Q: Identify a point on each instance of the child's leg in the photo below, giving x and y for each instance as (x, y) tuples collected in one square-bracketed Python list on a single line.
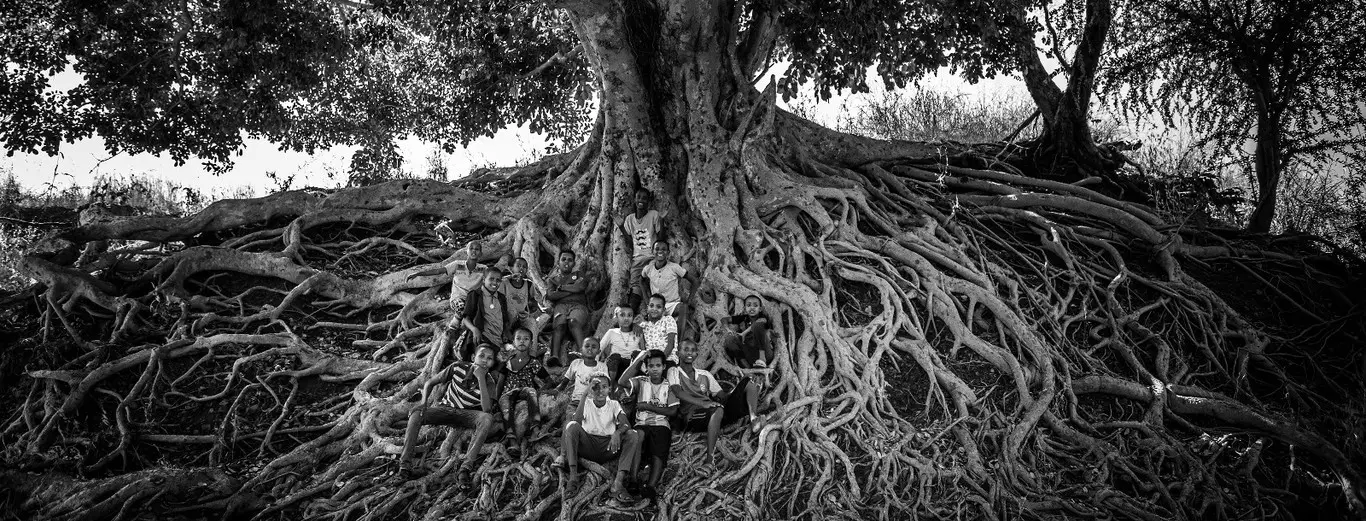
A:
[(713, 432), (629, 458), (732, 342), (578, 316), (533, 409), (569, 443), (505, 403)]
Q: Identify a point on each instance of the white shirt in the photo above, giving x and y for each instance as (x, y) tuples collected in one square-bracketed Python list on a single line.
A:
[(664, 281), (657, 334), (583, 376), (600, 421), (642, 232), (619, 342), (657, 394), (704, 379)]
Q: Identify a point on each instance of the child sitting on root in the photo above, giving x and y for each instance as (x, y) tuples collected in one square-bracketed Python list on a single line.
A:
[(582, 370), (706, 403), (598, 431), (620, 344), (523, 368)]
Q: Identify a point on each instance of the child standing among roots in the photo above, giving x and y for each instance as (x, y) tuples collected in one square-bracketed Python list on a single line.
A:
[(522, 370), (655, 403)]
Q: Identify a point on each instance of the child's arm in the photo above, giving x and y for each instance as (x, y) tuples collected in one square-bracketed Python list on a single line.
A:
[(631, 371), (569, 377), (688, 396), (622, 426), (669, 408), (577, 413), (486, 391), (669, 341), (439, 270)]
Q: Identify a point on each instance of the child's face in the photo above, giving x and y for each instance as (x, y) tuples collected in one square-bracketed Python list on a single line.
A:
[(654, 309), (476, 250), (752, 306), (484, 357), (642, 201), (519, 268), (491, 280), (687, 352), (590, 347), (599, 388), (654, 368), (624, 316), (557, 371), (521, 340), (566, 260), (661, 251)]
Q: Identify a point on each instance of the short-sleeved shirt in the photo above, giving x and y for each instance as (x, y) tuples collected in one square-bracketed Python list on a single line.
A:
[(658, 394), (618, 342), (570, 278), (705, 380), (664, 281), (463, 280), (657, 334), (644, 231), (519, 299), (600, 421), (526, 376), (583, 376), (462, 391)]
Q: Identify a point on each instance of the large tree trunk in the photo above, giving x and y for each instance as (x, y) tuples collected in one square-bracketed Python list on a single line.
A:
[(931, 321)]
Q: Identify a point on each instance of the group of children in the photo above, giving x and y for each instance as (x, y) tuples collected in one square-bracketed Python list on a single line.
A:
[(623, 395)]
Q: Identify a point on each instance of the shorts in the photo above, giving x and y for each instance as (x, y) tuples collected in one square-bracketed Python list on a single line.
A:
[(637, 265), (656, 442), (595, 448), (567, 311), (670, 307)]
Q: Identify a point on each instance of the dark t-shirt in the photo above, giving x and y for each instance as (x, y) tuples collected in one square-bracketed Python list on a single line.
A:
[(463, 391), (744, 321)]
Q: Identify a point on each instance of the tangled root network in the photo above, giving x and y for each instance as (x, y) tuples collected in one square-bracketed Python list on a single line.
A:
[(955, 340)]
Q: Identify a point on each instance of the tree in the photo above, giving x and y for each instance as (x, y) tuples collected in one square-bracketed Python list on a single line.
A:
[(1285, 76), (943, 327)]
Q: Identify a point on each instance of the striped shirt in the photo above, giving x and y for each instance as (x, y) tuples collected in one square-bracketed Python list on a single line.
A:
[(462, 389)]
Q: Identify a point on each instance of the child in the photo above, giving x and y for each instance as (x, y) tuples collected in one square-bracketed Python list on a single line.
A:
[(662, 277), (568, 289), (748, 343), (551, 400), (598, 431), (582, 370), (522, 372), (643, 229), (524, 303), (466, 274), (706, 404), (621, 343), (655, 403), (659, 330), (486, 311), (467, 403)]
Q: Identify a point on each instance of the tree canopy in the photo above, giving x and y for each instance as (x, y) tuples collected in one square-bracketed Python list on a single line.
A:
[(1286, 76)]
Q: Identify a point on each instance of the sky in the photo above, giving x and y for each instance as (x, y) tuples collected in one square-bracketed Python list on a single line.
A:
[(82, 162)]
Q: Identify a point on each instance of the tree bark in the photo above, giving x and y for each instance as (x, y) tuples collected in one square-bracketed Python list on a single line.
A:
[(1267, 165)]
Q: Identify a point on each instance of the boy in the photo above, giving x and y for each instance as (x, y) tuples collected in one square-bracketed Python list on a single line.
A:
[(643, 229), (524, 302), (582, 370), (660, 331), (568, 289), (466, 273), (662, 275), (598, 432), (747, 343), (706, 404), (486, 314), (655, 403), (466, 403), (621, 343)]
